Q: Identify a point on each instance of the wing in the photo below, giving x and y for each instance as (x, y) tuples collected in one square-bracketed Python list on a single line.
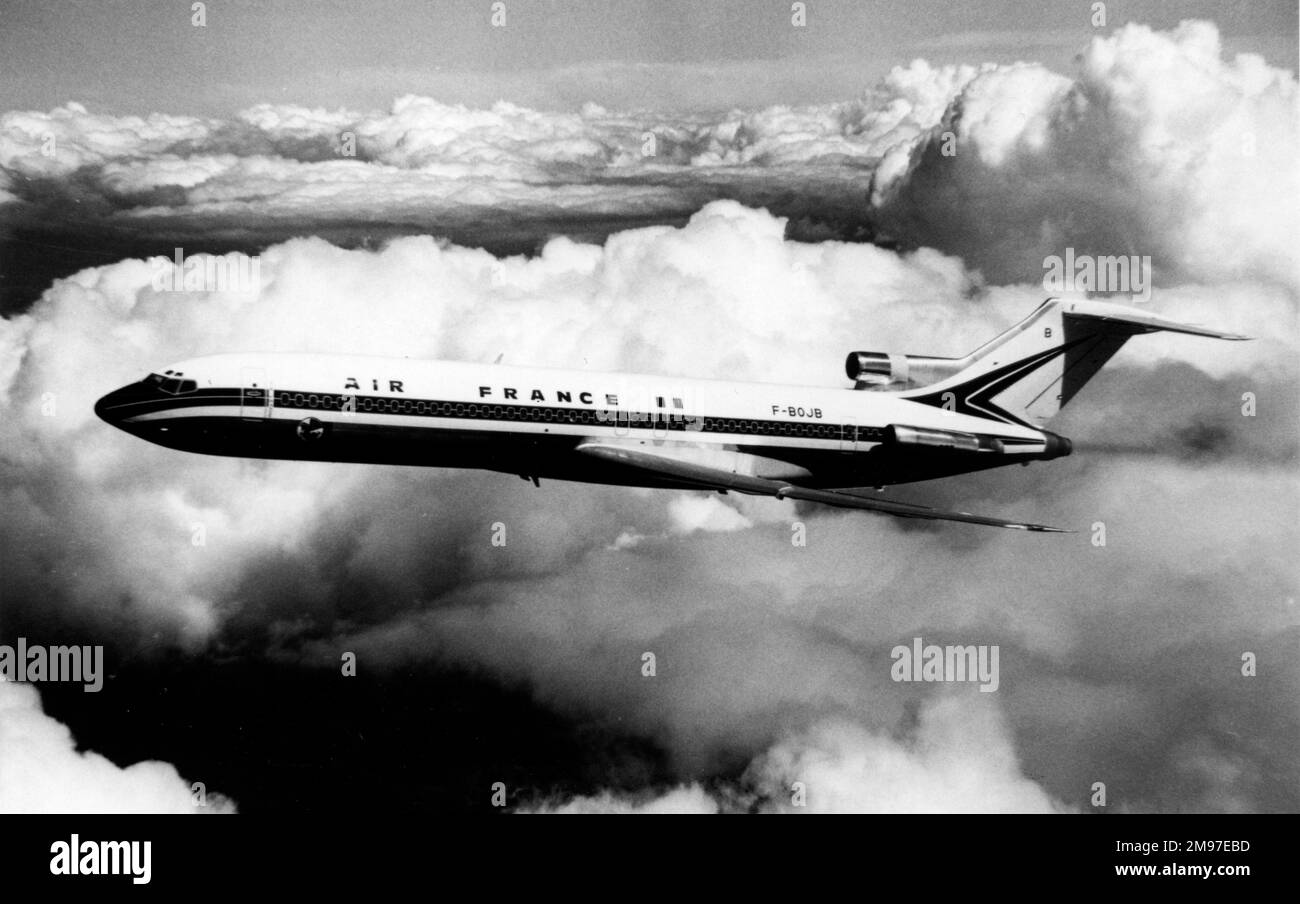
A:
[(713, 478)]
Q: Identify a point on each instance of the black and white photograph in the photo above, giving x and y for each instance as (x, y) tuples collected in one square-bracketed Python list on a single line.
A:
[(483, 408)]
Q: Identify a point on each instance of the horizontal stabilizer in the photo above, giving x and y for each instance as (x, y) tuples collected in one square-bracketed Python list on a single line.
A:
[(1132, 320)]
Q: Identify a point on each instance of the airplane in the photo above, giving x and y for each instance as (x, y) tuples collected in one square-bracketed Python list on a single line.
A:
[(907, 417)]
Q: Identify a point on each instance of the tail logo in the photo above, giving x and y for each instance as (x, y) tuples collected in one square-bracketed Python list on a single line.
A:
[(976, 396)]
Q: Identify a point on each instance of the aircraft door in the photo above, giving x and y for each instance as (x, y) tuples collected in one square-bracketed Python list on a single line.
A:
[(661, 415), (848, 434), (254, 394)]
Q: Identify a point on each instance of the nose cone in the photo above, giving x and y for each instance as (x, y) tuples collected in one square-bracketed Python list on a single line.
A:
[(117, 405), (102, 406)]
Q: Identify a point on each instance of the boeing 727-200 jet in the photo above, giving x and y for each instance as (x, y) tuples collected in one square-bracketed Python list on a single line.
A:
[(907, 417)]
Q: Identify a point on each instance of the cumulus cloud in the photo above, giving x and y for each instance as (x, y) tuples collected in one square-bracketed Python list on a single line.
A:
[(730, 273), (42, 771), (424, 162), (958, 760), (274, 171), (686, 799), (396, 564), (1157, 147)]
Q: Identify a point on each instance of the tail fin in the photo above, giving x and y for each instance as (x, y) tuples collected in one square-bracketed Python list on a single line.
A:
[(1026, 375)]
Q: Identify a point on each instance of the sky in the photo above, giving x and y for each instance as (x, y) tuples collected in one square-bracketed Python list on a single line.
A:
[(635, 191), (142, 56)]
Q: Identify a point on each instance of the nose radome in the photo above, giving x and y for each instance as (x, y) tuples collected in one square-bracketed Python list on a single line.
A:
[(105, 407)]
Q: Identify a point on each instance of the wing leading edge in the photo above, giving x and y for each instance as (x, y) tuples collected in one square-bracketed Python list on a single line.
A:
[(711, 478)]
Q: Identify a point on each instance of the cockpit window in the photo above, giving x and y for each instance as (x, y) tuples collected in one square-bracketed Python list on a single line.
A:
[(170, 384)]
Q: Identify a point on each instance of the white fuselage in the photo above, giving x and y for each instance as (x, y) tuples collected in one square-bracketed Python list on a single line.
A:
[(525, 420)]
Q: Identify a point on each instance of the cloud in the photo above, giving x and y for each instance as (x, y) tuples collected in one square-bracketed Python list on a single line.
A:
[(1158, 147), (301, 560), (42, 771), (959, 760), (686, 799), (274, 171)]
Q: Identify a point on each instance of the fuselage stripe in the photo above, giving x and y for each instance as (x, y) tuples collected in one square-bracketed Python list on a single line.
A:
[(671, 421), (252, 404)]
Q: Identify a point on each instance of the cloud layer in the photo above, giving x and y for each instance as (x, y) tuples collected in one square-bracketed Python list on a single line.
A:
[(1158, 147)]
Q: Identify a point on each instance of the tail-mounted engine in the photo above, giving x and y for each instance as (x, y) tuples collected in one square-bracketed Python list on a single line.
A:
[(1054, 445), (941, 439), (883, 371)]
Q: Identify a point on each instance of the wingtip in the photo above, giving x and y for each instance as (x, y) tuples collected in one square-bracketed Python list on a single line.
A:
[(1042, 528), (1218, 334), (1019, 525)]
